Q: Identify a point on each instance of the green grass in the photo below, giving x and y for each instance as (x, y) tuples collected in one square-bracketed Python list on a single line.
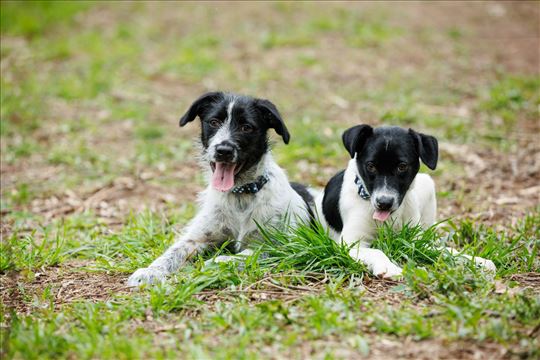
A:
[(512, 252), (463, 306), (39, 17), (29, 253), (91, 93), (512, 94), (306, 248)]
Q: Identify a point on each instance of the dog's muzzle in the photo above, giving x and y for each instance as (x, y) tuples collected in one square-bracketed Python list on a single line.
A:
[(225, 152), (385, 204), (224, 165)]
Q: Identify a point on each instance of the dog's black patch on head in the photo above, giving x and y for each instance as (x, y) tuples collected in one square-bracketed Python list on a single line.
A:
[(389, 159), (330, 202), (244, 120)]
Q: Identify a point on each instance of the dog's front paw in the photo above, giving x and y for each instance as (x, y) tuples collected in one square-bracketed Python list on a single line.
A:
[(387, 270), (146, 276), (486, 264)]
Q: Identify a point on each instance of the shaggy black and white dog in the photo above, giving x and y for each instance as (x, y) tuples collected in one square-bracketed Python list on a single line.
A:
[(246, 186), (381, 184)]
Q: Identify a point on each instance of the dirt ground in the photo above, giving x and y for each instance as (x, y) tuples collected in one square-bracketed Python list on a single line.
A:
[(499, 186)]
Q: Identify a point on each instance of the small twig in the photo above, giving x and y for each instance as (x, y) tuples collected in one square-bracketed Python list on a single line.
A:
[(493, 313), (292, 299), (169, 328), (433, 314), (273, 284), (64, 285), (258, 282), (535, 330)]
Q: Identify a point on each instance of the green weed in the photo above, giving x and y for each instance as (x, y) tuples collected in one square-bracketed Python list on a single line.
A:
[(28, 252), (307, 248), (513, 95), (35, 18)]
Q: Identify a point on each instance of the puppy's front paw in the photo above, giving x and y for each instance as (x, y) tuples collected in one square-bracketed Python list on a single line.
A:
[(486, 264), (146, 276), (387, 270)]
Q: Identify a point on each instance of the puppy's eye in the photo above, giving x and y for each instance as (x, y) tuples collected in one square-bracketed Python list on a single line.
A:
[(402, 167), (215, 123), (371, 167), (246, 128)]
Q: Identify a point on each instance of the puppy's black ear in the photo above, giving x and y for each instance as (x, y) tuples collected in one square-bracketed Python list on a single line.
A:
[(199, 104), (427, 148), (272, 117), (355, 138)]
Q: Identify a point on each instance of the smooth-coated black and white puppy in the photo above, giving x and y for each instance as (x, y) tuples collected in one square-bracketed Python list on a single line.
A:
[(381, 184), (245, 185)]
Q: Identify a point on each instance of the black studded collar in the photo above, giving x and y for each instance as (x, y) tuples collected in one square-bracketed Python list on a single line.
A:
[(253, 187)]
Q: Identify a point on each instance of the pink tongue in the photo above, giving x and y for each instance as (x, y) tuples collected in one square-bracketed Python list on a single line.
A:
[(223, 177), (381, 215)]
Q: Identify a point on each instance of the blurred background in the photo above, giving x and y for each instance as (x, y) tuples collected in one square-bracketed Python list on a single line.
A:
[(91, 94)]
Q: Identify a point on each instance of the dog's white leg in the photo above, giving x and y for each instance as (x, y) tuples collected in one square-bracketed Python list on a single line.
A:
[(375, 260), (488, 265), (196, 238)]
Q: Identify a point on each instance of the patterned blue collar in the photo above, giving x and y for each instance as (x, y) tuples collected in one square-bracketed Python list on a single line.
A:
[(361, 188), (252, 188)]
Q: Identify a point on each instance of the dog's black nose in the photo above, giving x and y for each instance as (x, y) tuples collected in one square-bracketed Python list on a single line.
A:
[(384, 202), (224, 152)]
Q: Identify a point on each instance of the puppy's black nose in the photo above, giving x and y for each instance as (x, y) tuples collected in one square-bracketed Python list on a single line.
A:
[(224, 152), (384, 202)]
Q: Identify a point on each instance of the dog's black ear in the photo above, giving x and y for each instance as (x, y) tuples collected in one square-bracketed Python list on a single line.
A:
[(355, 138), (273, 118), (199, 104), (427, 148)]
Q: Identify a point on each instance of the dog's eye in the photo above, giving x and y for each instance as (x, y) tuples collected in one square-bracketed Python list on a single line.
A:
[(402, 167), (371, 168), (215, 123), (246, 128)]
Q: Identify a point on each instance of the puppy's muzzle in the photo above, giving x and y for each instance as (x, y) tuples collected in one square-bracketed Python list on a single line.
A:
[(384, 203), (225, 152)]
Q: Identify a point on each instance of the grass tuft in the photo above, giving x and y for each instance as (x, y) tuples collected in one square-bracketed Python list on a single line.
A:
[(411, 243), (28, 252), (307, 248), (512, 251)]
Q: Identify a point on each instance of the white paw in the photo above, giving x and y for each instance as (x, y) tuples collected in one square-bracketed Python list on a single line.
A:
[(387, 270), (488, 265), (146, 276)]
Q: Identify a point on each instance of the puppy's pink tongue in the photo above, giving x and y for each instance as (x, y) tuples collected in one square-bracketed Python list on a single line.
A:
[(223, 177), (381, 215)]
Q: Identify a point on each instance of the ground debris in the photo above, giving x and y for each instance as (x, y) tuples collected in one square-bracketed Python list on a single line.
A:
[(69, 283)]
